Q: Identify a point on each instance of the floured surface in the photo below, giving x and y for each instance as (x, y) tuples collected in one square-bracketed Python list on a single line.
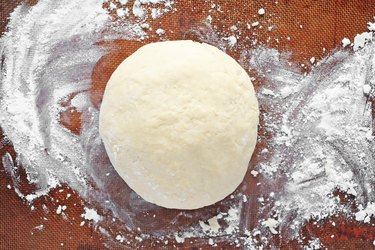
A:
[(315, 140), (322, 131)]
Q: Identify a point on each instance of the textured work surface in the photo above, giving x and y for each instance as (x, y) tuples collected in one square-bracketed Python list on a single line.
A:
[(324, 24)]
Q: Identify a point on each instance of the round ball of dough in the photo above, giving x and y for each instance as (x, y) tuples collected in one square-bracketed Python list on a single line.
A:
[(179, 123)]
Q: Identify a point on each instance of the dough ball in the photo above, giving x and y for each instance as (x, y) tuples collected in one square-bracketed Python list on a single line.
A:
[(179, 122)]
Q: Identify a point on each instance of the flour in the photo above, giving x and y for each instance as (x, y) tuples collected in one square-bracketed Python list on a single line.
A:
[(319, 123), (120, 238), (212, 226), (140, 8), (361, 39), (48, 151), (323, 126), (80, 101), (41, 70), (261, 11), (254, 173), (365, 214), (59, 209), (345, 42), (138, 11), (122, 13), (255, 24), (40, 227), (371, 26), (314, 244), (271, 224), (160, 32), (180, 239), (367, 89), (91, 214), (232, 40)]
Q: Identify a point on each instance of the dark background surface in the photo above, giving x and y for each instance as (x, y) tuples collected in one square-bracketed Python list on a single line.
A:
[(325, 24)]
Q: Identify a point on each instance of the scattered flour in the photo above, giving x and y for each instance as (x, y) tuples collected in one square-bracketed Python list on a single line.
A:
[(140, 8), (28, 111), (254, 173), (366, 214), (232, 41), (313, 244), (160, 32), (255, 24), (367, 89), (91, 214), (371, 26), (361, 39), (271, 224), (80, 101), (123, 2), (59, 209), (120, 238), (323, 125), (179, 239), (319, 122), (40, 227), (122, 13), (212, 227), (345, 42)]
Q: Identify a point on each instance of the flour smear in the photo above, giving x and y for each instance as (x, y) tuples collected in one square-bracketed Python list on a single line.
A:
[(322, 133), (321, 125)]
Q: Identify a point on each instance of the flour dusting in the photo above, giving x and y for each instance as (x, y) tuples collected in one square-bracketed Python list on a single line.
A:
[(322, 140), (37, 74), (322, 134)]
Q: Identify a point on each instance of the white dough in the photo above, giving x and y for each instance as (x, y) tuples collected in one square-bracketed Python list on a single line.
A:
[(179, 122)]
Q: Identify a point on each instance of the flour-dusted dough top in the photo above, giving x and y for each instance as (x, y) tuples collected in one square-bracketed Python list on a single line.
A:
[(179, 122)]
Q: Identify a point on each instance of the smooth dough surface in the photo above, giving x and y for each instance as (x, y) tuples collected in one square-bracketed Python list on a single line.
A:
[(179, 123)]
